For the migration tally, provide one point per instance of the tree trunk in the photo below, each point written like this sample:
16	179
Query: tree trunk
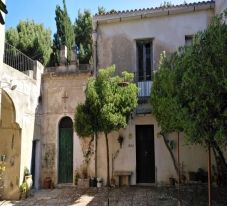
209	178
222	158
108	162
171	154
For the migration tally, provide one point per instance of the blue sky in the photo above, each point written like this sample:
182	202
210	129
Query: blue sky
43	11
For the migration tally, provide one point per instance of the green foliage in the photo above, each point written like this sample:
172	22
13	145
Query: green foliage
83	30
64	36
3	9
190	89
32	39
165	103
23	187
204	85
107	105
166	4
101	10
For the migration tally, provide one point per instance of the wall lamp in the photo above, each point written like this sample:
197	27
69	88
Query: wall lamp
10	85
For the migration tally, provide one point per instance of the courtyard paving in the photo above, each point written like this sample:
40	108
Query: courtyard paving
192	195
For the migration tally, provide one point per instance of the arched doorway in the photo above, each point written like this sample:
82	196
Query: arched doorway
65	162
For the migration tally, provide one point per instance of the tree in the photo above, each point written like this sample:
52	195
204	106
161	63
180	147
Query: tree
101	10
200	81
165	106
3	9
83	30
107	106
32	39
64	36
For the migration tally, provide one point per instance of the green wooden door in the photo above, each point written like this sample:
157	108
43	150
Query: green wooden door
65	166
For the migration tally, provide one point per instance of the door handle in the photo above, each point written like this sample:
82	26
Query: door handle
145	153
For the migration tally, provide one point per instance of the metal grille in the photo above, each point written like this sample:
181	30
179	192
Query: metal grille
16	59
66	122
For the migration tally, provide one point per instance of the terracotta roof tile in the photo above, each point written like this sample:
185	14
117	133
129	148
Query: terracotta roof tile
159	8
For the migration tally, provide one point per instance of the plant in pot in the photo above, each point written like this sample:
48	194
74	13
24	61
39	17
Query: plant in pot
182	176
77	176
171	181
52	184
28	180
23	190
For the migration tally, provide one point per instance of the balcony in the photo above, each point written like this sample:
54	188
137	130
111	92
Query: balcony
144	82
16	59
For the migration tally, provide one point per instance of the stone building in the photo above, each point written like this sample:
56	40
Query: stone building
133	41
37	115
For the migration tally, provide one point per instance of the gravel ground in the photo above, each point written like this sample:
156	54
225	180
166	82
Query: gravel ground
191	195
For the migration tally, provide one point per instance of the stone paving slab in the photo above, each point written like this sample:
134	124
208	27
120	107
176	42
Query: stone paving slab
191	195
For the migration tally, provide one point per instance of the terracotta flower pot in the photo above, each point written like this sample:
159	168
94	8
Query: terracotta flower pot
83	175
171	181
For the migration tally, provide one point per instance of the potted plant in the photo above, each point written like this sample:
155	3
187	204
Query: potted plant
23	190
171	181
77	176
28	180
51	184
26	171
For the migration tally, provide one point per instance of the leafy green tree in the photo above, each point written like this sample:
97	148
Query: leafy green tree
83	30
101	10
107	106
199	80
64	36
32	39
165	106
3	9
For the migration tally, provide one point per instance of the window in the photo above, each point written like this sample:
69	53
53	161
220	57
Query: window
188	41
144	60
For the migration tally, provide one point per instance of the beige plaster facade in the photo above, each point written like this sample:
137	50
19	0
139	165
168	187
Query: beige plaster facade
18	122
117	37
62	89
31	113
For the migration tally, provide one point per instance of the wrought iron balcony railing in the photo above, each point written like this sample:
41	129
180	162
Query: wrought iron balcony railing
16	59
144	81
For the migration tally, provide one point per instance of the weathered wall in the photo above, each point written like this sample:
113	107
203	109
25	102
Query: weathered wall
116	44
220	6
117	41
2	40
55	85
10	146
193	157
18	129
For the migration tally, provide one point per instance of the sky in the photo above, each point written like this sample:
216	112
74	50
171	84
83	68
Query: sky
43	11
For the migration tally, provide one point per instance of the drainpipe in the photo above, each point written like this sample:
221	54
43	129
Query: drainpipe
94	48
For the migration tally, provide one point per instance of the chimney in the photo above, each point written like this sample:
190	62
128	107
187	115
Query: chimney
63	55
73	55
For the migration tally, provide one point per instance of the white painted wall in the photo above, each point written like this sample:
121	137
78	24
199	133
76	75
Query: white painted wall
220	6
116	44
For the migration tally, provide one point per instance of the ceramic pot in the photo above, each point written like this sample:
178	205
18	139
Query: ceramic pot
46	183
29	182
171	181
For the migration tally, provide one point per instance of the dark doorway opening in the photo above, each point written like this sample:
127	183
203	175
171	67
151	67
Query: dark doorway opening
145	160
